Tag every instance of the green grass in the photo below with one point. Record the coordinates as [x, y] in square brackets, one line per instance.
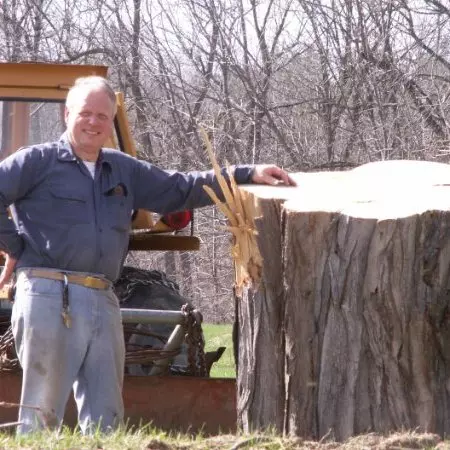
[147, 438]
[220, 336]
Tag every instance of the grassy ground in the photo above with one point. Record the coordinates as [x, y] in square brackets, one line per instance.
[156, 440]
[152, 439]
[220, 336]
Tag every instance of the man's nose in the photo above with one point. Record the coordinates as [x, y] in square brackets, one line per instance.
[93, 119]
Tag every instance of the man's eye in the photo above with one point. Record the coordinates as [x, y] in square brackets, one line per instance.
[84, 114]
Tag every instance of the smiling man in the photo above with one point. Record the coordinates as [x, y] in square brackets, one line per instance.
[71, 202]
[89, 118]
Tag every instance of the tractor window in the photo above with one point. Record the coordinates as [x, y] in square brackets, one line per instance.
[27, 122]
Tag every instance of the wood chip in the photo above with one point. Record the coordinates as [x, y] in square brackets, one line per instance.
[245, 251]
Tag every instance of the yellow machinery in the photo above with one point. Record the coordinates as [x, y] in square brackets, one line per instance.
[32, 97]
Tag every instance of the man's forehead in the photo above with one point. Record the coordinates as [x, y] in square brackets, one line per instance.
[89, 98]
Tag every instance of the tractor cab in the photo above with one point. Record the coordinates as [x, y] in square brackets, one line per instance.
[32, 98]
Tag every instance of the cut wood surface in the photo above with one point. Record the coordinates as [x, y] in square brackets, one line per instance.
[348, 329]
[372, 190]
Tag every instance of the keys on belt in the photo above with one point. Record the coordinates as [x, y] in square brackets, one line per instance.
[65, 303]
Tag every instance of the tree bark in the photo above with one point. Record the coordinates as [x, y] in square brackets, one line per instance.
[348, 329]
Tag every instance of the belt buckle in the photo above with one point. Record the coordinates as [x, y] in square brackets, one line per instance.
[91, 282]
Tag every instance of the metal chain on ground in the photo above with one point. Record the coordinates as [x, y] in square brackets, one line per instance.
[8, 359]
[194, 338]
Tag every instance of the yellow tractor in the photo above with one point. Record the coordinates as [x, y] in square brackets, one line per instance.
[32, 97]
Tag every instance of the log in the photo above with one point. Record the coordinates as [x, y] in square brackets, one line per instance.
[348, 329]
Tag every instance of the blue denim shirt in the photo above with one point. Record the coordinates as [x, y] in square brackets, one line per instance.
[66, 220]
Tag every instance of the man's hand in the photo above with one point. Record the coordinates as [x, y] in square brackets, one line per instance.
[272, 175]
[8, 269]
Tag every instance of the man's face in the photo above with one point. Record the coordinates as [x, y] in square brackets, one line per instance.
[89, 122]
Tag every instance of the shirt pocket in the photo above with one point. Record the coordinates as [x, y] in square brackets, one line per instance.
[118, 212]
[68, 206]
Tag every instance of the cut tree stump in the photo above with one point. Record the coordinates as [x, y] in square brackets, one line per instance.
[348, 329]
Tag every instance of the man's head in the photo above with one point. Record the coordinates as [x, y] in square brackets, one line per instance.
[90, 110]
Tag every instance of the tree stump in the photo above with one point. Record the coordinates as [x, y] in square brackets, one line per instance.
[348, 329]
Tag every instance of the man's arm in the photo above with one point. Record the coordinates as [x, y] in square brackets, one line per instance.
[163, 192]
[18, 173]
[8, 269]
[10, 240]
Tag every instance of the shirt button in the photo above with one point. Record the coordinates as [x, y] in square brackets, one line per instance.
[100, 229]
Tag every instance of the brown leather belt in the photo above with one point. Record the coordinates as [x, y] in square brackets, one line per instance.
[83, 280]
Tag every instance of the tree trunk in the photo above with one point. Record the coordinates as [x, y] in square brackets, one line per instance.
[348, 329]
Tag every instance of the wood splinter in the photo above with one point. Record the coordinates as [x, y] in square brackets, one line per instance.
[245, 251]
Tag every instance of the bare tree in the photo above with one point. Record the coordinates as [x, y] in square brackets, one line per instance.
[310, 85]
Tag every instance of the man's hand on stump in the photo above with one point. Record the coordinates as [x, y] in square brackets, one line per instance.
[271, 175]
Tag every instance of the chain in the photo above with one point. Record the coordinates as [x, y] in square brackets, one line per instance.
[194, 338]
[8, 358]
[142, 278]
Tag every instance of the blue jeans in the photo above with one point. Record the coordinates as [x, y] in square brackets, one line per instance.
[89, 356]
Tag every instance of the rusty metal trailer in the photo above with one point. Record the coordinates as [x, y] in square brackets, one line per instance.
[172, 403]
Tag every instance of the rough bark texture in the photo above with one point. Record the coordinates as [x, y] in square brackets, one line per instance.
[349, 329]
[260, 319]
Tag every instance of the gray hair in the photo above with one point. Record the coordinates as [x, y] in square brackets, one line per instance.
[89, 83]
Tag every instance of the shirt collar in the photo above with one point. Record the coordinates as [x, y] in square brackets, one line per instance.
[65, 152]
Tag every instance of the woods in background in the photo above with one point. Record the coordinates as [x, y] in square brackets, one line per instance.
[305, 84]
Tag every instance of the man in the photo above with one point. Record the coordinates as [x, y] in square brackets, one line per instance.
[71, 203]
